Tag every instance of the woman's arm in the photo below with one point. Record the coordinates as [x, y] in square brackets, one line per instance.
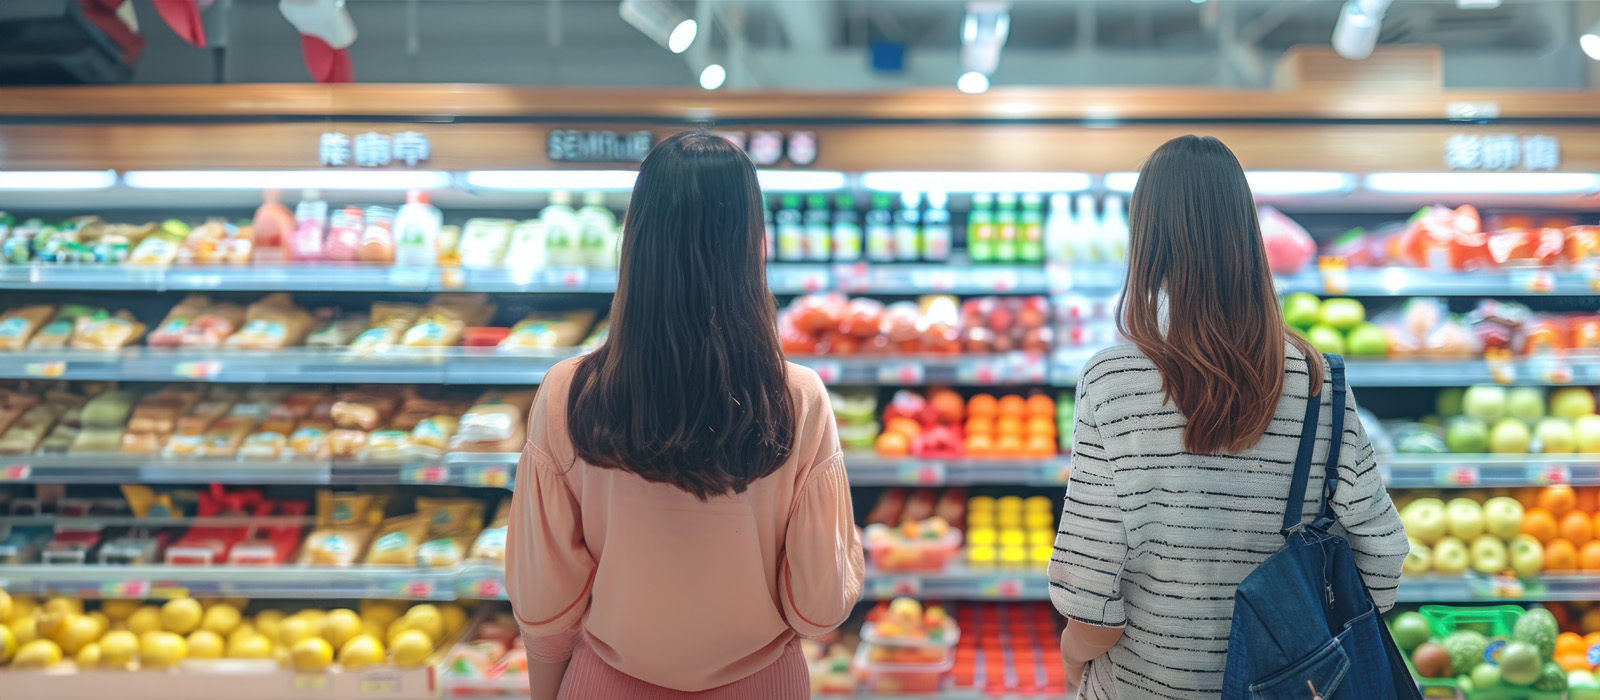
[544, 679]
[1081, 643]
[821, 568]
[1371, 524]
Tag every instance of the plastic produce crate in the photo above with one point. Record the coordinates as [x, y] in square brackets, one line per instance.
[1492, 621]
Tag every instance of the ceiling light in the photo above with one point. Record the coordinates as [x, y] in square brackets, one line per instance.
[1356, 33]
[1484, 183]
[972, 82]
[983, 35]
[800, 180]
[287, 179]
[1590, 42]
[547, 180]
[713, 76]
[1264, 182]
[931, 181]
[661, 21]
[1121, 182]
[57, 179]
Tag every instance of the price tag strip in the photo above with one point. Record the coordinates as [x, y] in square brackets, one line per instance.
[424, 474]
[16, 472]
[886, 587]
[489, 476]
[829, 371]
[1549, 474]
[922, 473]
[1462, 475]
[1002, 588]
[908, 372]
[48, 370]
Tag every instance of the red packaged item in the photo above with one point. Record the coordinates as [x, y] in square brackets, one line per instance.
[1582, 243]
[1545, 335]
[1585, 332]
[817, 313]
[484, 336]
[888, 508]
[863, 318]
[1537, 246]
[343, 241]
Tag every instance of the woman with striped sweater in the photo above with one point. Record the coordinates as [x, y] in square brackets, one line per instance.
[1185, 441]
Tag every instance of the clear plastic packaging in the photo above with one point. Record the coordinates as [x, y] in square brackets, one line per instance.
[897, 671]
[891, 552]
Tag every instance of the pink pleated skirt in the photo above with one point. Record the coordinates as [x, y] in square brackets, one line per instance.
[590, 678]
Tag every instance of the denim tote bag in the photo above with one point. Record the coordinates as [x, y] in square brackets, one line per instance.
[1304, 624]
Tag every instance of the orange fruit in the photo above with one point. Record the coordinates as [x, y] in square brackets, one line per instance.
[1528, 496]
[983, 405]
[1592, 638]
[979, 445]
[1040, 446]
[1040, 425]
[1595, 523]
[979, 425]
[947, 404]
[1560, 555]
[1013, 405]
[1576, 661]
[1008, 425]
[1577, 528]
[1558, 499]
[1541, 524]
[893, 444]
[903, 426]
[1009, 445]
[1042, 406]
[1589, 556]
[1588, 499]
[1570, 643]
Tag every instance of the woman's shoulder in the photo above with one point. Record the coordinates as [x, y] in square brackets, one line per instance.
[805, 385]
[1122, 363]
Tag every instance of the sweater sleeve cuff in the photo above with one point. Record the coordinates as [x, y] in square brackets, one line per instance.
[552, 649]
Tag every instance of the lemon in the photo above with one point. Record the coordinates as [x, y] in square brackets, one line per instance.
[5, 605]
[181, 615]
[39, 653]
[254, 646]
[268, 623]
[339, 626]
[24, 629]
[454, 618]
[52, 624]
[64, 605]
[77, 632]
[117, 609]
[118, 648]
[382, 612]
[313, 616]
[360, 652]
[146, 619]
[245, 629]
[400, 625]
[220, 618]
[295, 629]
[22, 606]
[204, 644]
[101, 622]
[88, 656]
[427, 619]
[162, 649]
[311, 654]
[411, 648]
[8, 644]
[235, 603]
[372, 629]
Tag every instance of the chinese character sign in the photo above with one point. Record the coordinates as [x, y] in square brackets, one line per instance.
[372, 149]
[1501, 152]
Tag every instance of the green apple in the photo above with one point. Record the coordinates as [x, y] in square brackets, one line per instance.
[1465, 518]
[1526, 403]
[1486, 402]
[1367, 340]
[1418, 560]
[1301, 309]
[1449, 401]
[1326, 338]
[1485, 676]
[1510, 436]
[1527, 556]
[1424, 519]
[1450, 556]
[1410, 630]
[1343, 314]
[1581, 685]
[1467, 435]
[1555, 436]
[1489, 554]
[1587, 429]
[1570, 402]
[1502, 517]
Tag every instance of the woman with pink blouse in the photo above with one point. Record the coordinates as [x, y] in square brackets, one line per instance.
[681, 513]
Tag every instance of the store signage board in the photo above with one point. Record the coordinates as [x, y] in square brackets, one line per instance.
[598, 146]
[372, 149]
[1502, 152]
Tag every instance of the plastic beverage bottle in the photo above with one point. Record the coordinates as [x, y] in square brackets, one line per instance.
[1058, 229]
[880, 229]
[846, 229]
[1030, 229]
[766, 218]
[562, 232]
[527, 250]
[1005, 229]
[416, 231]
[597, 231]
[310, 224]
[790, 233]
[936, 232]
[1114, 227]
[377, 236]
[343, 241]
[907, 229]
[980, 229]
[272, 225]
[1086, 245]
[818, 230]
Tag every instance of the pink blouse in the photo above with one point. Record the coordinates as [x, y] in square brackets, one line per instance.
[684, 594]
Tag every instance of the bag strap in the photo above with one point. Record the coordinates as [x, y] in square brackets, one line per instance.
[1330, 481]
[1293, 510]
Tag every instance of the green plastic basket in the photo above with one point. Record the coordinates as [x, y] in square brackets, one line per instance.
[1492, 621]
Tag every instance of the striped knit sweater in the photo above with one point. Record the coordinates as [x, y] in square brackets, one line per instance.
[1155, 539]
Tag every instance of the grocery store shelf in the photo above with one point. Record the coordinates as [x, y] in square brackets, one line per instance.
[235, 679]
[160, 581]
[1067, 364]
[489, 470]
[293, 365]
[1408, 471]
[868, 469]
[305, 277]
[902, 370]
[957, 583]
[1401, 281]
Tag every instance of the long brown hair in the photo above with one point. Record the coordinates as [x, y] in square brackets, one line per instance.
[691, 388]
[1193, 234]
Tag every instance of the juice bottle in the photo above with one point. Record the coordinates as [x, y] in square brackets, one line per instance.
[562, 232]
[416, 232]
[377, 235]
[790, 233]
[766, 218]
[818, 231]
[980, 229]
[907, 232]
[936, 233]
[344, 235]
[1058, 229]
[1030, 229]
[272, 224]
[1005, 224]
[846, 229]
[1114, 227]
[597, 226]
[1087, 245]
[880, 229]
[310, 220]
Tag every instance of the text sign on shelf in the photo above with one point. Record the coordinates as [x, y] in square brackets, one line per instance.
[424, 474]
[1549, 474]
[1499, 152]
[598, 146]
[901, 372]
[308, 683]
[408, 277]
[1537, 281]
[16, 472]
[198, 369]
[487, 589]
[1056, 472]
[1456, 475]
[380, 685]
[372, 149]
[894, 586]
[125, 589]
[48, 370]
[827, 370]
[416, 589]
[489, 475]
[1003, 588]
[926, 473]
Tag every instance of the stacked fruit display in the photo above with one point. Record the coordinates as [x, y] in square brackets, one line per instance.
[906, 648]
[917, 530]
[1529, 532]
[1010, 532]
[1492, 652]
[1515, 420]
[1336, 325]
[856, 412]
[1439, 237]
[489, 654]
[833, 324]
[129, 634]
[942, 426]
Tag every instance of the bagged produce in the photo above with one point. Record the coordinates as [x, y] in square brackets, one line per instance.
[17, 326]
[1288, 245]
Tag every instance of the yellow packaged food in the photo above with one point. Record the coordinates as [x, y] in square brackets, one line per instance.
[398, 540]
[434, 432]
[386, 444]
[544, 330]
[347, 443]
[389, 323]
[272, 323]
[451, 516]
[310, 439]
[334, 546]
[103, 332]
[443, 552]
[343, 510]
[17, 326]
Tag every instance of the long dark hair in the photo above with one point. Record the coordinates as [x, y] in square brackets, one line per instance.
[1193, 232]
[691, 388]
